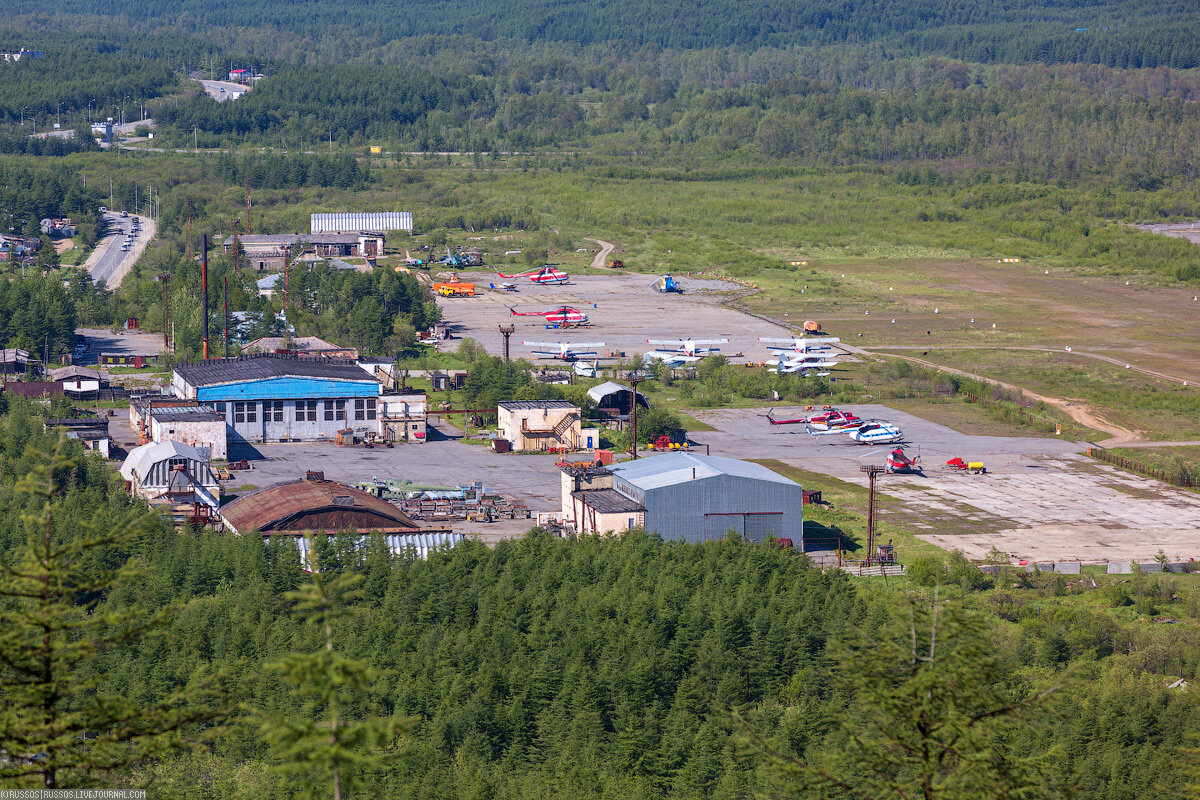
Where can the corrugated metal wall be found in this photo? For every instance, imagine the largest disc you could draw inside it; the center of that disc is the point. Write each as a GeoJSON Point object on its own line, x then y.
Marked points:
{"type": "Point", "coordinates": [421, 544]}
{"type": "Point", "coordinates": [703, 510]}
{"type": "Point", "coordinates": [382, 221]}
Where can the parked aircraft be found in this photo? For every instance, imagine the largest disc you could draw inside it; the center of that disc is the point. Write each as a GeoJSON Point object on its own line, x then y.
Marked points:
{"type": "Point", "coordinates": [672, 360]}
{"type": "Point", "coordinates": [799, 345]}
{"type": "Point", "coordinates": [563, 315]}
{"type": "Point", "coordinates": [504, 287]}
{"type": "Point", "coordinates": [413, 261]}
{"type": "Point", "coordinates": [874, 431]}
{"type": "Point", "coordinates": [547, 275]}
{"type": "Point", "coordinates": [828, 419]}
{"type": "Point", "coordinates": [687, 347]}
{"type": "Point", "coordinates": [667, 285]}
{"type": "Point", "coordinates": [804, 365]}
{"type": "Point", "coordinates": [567, 351]}
{"type": "Point", "coordinates": [585, 370]}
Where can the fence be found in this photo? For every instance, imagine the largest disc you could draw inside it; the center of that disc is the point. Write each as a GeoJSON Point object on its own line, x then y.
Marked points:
{"type": "Point", "coordinates": [1011, 408]}
{"type": "Point", "coordinates": [1139, 468]}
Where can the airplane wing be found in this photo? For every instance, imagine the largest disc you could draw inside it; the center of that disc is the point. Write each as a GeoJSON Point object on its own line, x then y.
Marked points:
{"type": "Point", "coordinates": [587, 344]}
{"type": "Point", "coordinates": [710, 341]}
{"type": "Point", "coordinates": [556, 345]}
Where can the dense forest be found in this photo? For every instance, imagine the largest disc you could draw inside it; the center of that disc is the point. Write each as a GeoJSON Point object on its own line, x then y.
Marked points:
{"type": "Point", "coordinates": [1123, 34]}
{"type": "Point", "coordinates": [626, 667]}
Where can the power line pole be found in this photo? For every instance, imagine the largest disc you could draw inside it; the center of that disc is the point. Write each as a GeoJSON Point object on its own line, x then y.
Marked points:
{"type": "Point", "coordinates": [249, 222]}
{"type": "Point", "coordinates": [204, 293]}
{"type": "Point", "coordinates": [188, 232]}
{"type": "Point", "coordinates": [634, 379]}
{"type": "Point", "coordinates": [225, 301]}
{"type": "Point", "coordinates": [164, 277]}
{"type": "Point", "coordinates": [872, 471]}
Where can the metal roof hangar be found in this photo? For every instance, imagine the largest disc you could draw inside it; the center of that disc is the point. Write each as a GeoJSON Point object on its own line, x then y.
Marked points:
{"type": "Point", "coordinates": [685, 497]}
{"type": "Point", "coordinates": [378, 221]}
{"type": "Point", "coordinates": [315, 505]}
{"type": "Point", "coordinates": [272, 398]}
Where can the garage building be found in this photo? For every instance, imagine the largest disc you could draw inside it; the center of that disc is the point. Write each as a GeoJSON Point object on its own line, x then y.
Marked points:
{"type": "Point", "coordinates": [685, 497]}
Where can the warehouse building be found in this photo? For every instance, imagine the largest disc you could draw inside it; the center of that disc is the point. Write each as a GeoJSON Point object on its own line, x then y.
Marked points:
{"type": "Point", "coordinates": [684, 497]}
{"type": "Point", "coordinates": [355, 221]}
{"type": "Point", "coordinates": [274, 251]}
{"type": "Point", "coordinates": [317, 506]}
{"type": "Point", "coordinates": [161, 419]}
{"type": "Point", "coordinates": [544, 425]}
{"type": "Point", "coordinates": [283, 398]}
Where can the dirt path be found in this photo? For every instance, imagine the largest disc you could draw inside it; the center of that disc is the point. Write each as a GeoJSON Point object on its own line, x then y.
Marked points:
{"type": "Point", "coordinates": [601, 259]}
{"type": "Point", "coordinates": [1080, 413]}
{"type": "Point", "coordinates": [1108, 359]}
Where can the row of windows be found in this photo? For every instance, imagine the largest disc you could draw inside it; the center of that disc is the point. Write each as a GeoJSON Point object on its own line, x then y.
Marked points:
{"type": "Point", "coordinates": [306, 410]}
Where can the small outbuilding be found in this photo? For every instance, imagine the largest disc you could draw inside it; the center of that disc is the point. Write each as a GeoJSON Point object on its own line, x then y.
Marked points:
{"type": "Point", "coordinates": [544, 425]}
{"type": "Point", "coordinates": [175, 475]}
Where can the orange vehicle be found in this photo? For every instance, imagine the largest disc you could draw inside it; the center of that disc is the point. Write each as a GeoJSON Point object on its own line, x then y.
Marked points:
{"type": "Point", "coordinates": [455, 289]}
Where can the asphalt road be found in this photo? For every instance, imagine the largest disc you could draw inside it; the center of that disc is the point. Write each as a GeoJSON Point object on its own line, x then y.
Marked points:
{"type": "Point", "coordinates": [109, 263]}
{"type": "Point", "coordinates": [222, 90]}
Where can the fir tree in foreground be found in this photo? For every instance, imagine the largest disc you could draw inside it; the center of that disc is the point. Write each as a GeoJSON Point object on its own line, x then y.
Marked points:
{"type": "Point", "coordinates": [58, 724]}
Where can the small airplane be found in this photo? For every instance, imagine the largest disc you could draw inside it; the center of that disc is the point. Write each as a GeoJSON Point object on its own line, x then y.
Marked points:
{"type": "Point", "coordinates": [667, 285]}
{"type": "Point", "coordinates": [687, 347]}
{"type": "Point", "coordinates": [672, 360]}
{"type": "Point", "coordinates": [504, 287]}
{"type": "Point", "coordinates": [799, 345]}
{"type": "Point", "coordinates": [549, 274]}
{"type": "Point", "coordinates": [413, 261]}
{"type": "Point", "coordinates": [872, 431]}
{"type": "Point", "coordinates": [563, 315]}
{"type": "Point", "coordinates": [461, 259]}
{"type": "Point", "coordinates": [804, 366]}
{"type": "Point", "coordinates": [585, 370]}
{"type": "Point", "coordinates": [567, 351]}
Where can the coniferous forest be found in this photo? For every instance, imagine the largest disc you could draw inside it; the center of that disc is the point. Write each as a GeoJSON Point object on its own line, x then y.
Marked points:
{"type": "Point", "coordinates": [201, 664]}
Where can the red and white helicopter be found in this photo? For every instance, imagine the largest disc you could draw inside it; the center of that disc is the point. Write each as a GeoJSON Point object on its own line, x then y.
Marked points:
{"type": "Point", "coordinates": [691, 348]}
{"type": "Point", "coordinates": [563, 315]}
{"type": "Point", "coordinates": [566, 351]}
{"type": "Point", "coordinates": [898, 461]}
{"type": "Point", "coordinates": [828, 419]}
{"type": "Point", "coordinates": [545, 276]}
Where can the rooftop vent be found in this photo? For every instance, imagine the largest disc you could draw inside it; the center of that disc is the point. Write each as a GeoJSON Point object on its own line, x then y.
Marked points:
{"type": "Point", "coordinates": [316, 476]}
{"type": "Point", "coordinates": [343, 500]}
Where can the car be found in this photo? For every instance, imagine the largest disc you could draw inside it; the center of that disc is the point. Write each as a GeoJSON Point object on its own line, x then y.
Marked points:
{"type": "Point", "coordinates": [103, 210]}
{"type": "Point", "coordinates": [124, 213]}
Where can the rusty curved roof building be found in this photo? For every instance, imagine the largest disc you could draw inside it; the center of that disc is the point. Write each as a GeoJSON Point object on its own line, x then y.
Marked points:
{"type": "Point", "coordinates": [315, 505]}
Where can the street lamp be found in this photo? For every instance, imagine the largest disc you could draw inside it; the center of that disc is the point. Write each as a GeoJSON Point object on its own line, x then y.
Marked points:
{"type": "Point", "coordinates": [23, 115]}
{"type": "Point", "coordinates": [123, 99]}
{"type": "Point", "coordinates": [58, 115]}
{"type": "Point", "coordinates": [90, 110]}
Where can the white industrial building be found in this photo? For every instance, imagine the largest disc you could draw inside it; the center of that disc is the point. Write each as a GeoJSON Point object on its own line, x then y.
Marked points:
{"type": "Point", "coordinates": [357, 221]}
{"type": "Point", "coordinates": [684, 497]}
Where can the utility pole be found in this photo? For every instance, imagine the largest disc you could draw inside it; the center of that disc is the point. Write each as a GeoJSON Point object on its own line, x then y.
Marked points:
{"type": "Point", "coordinates": [872, 471]}
{"type": "Point", "coordinates": [164, 277]}
{"type": "Point", "coordinates": [506, 331]}
{"type": "Point", "coordinates": [204, 293]}
{"type": "Point", "coordinates": [249, 222]}
{"type": "Point", "coordinates": [225, 302]}
{"type": "Point", "coordinates": [188, 233]}
{"type": "Point", "coordinates": [634, 379]}
{"type": "Point", "coordinates": [236, 257]}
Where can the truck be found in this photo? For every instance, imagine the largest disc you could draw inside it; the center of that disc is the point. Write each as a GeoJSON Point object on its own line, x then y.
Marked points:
{"type": "Point", "coordinates": [456, 289]}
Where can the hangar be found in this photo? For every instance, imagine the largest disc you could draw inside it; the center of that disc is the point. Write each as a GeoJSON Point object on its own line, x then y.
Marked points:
{"type": "Point", "coordinates": [684, 497]}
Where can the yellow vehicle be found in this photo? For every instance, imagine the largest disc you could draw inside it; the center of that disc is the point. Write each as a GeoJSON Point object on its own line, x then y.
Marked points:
{"type": "Point", "coordinates": [455, 289]}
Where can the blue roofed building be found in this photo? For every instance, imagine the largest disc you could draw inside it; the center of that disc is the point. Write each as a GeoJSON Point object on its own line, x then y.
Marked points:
{"type": "Point", "coordinates": [283, 398]}
{"type": "Point", "coordinates": [685, 497]}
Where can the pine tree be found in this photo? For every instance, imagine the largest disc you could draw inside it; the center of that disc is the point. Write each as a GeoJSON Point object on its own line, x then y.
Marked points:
{"type": "Point", "coordinates": [321, 739]}
{"type": "Point", "coordinates": [58, 725]}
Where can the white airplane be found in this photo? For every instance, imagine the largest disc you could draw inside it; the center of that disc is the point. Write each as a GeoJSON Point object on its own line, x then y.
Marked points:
{"type": "Point", "coordinates": [687, 347]}
{"type": "Point", "coordinates": [873, 431]}
{"type": "Point", "coordinates": [802, 365]}
{"type": "Point", "coordinates": [672, 360]}
{"type": "Point", "coordinates": [799, 345]}
{"type": "Point", "coordinates": [585, 370]}
{"type": "Point", "coordinates": [567, 351]}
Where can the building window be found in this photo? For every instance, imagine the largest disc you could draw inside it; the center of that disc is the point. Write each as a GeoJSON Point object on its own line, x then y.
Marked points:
{"type": "Point", "coordinates": [176, 462]}
{"type": "Point", "coordinates": [306, 410]}
{"type": "Point", "coordinates": [273, 411]}
{"type": "Point", "coordinates": [245, 412]}
{"type": "Point", "coordinates": [335, 410]}
{"type": "Point", "coordinates": [364, 408]}
{"type": "Point", "coordinates": [220, 409]}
